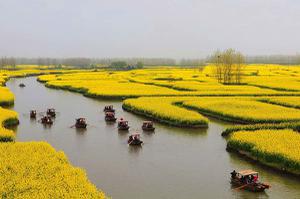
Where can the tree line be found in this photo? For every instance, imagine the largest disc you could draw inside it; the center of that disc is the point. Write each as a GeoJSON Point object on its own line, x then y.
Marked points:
{"type": "Point", "coordinates": [7, 61]}
{"type": "Point", "coordinates": [96, 62]}
{"type": "Point", "coordinates": [274, 59]}
{"type": "Point", "coordinates": [85, 62]}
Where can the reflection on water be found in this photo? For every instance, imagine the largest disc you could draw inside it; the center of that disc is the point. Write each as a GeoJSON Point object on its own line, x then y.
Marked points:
{"type": "Point", "coordinates": [148, 133]}
{"type": "Point", "coordinates": [80, 131]}
{"type": "Point", "coordinates": [133, 150]}
{"type": "Point", "coordinates": [123, 134]}
{"type": "Point", "coordinates": [172, 163]}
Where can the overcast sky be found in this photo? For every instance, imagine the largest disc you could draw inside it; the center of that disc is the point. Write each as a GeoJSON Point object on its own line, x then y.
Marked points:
{"type": "Point", "coordinates": [147, 28]}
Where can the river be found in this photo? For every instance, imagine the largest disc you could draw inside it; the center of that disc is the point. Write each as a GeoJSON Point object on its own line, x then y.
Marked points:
{"type": "Point", "coordinates": [172, 163]}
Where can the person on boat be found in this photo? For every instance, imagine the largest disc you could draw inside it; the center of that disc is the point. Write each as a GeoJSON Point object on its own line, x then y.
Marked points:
{"type": "Point", "coordinates": [248, 179]}
{"type": "Point", "coordinates": [255, 178]}
{"type": "Point", "coordinates": [233, 174]}
{"type": "Point", "coordinates": [245, 179]}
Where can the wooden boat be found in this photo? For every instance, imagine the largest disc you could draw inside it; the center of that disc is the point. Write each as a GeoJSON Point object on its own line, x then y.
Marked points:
{"type": "Point", "coordinates": [22, 85]}
{"type": "Point", "coordinates": [81, 123]}
{"type": "Point", "coordinates": [148, 126]}
{"type": "Point", "coordinates": [109, 108]}
{"type": "Point", "coordinates": [51, 112]}
{"type": "Point", "coordinates": [123, 125]}
{"type": "Point", "coordinates": [110, 117]}
{"type": "Point", "coordinates": [46, 120]}
{"type": "Point", "coordinates": [248, 180]}
{"type": "Point", "coordinates": [135, 140]}
{"type": "Point", "coordinates": [33, 114]}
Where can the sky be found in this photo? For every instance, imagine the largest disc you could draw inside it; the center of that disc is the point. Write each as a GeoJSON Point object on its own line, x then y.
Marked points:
{"type": "Point", "coordinates": [147, 28]}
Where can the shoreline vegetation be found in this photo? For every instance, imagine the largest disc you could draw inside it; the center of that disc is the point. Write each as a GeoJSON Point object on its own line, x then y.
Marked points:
{"type": "Point", "coordinates": [274, 148]}
{"type": "Point", "coordinates": [8, 118]}
{"type": "Point", "coordinates": [7, 98]}
{"type": "Point", "coordinates": [242, 110]}
{"type": "Point", "coordinates": [274, 166]}
{"type": "Point", "coordinates": [174, 118]}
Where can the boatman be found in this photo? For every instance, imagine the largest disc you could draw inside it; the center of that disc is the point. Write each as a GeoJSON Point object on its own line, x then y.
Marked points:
{"type": "Point", "coordinates": [233, 174]}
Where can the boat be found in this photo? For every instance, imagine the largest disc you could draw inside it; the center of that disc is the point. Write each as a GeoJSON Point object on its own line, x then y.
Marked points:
{"type": "Point", "coordinates": [123, 125]}
{"type": "Point", "coordinates": [33, 114]}
{"type": "Point", "coordinates": [22, 85]}
{"type": "Point", "coordinates": [248, 180]}
{"type": "Point", "coordinates": [51, 112]}
{"type": "Point", "coordinates": [110, 117]}
{"type": "Point", "coordinates": [135, 140]}
{"type": "Point", "coordinates": [47, 120]}
{"type": "Point", "coordinates": [148, 126]}
{"type": "Point", "coordinates": [80, 123]}
{"type": "Point", "coordinates": [109, 108]}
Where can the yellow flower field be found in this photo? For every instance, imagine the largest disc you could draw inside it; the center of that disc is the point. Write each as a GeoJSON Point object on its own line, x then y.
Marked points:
{"type": "Point", "coordinates": [163, 109]}
{"type": "Point", "coordinates": [113, 89]}
{"type": "Point", "coordinates": [6, 97]}
{"type": "Point", "coordinates": [279, 147]}
{"type": "Point", "coordinates": [246, 110]}
{"type": "Point", "coordinates": [239, 109]}
{"type": "Point", "coordinates": [7, 117]}
{"type": "Point", "coordinates": [293, 102]}
{"type": "Point", "coordinates": [36, 170]}
{"type": "Point", "coordinates": [284, 83]}
{"type": "Point", "coordinates": [156, 82]}
{"type": "Point", "coordinates": [214, 88]}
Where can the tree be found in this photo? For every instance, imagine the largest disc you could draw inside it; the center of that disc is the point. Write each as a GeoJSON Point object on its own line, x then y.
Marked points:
{"type": "Point", "coordinates": [239, 67]}
{"type": "Point", "coordinates": [228, 66]}
{"type": "Point", "coordinates": [8, 62]}
{"type": "Point", "coordinates": [216, 59]}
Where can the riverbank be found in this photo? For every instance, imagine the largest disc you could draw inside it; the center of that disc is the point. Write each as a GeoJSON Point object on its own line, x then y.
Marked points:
{"type": "Point", "coordinates": [8, 118]}
{"type": "Point", "coordinates": [164, 120]}
{"type": "Point", "coordinates": [165, 110]}
{"type": "Point", "coordinates": [287, 125]}
{"type": "Point", "coordinates": [274, 166]}
{"type": "Point", "coordinates": [243, 110]}
{"type": "Point", "coordinates": [274, 148]}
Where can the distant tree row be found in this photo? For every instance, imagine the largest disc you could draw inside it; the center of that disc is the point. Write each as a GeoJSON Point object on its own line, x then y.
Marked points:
{"type": "Point", "coordinates": [7, 62]}
{"type": "Point", "coordinates": [192, 62]}
{"type": "Point", "coordinates": [93, 62]}
{"type": "Point", "coordinates": [274, 59]}
{"type": "Point", "coordinates": [228, 66]}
